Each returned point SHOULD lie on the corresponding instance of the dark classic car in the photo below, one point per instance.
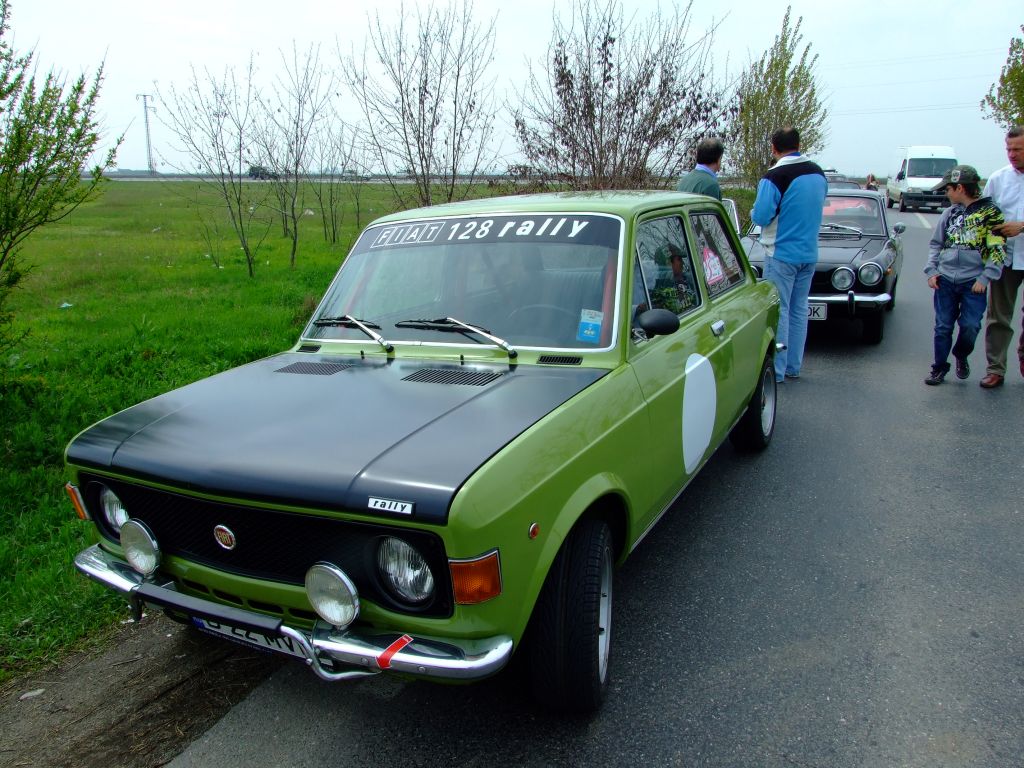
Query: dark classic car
(859, 260)
(839, 181)
(492, 406)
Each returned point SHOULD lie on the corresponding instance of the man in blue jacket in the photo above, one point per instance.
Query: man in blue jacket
(790, 198)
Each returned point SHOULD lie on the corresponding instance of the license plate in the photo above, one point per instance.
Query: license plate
(275, 643)
(817, 311)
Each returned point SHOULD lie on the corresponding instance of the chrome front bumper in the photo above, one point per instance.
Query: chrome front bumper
(331, 653)
(853, 301)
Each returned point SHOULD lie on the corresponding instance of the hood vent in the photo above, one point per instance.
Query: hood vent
(445, 376)
(314, 369)
(309, 348)
(559, 360)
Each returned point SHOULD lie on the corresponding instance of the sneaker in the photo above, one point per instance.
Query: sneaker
(793, 376)
(935, 377)
(963, 368)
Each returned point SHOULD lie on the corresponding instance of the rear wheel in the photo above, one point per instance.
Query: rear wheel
(903, 205)
(888, 200)
(754, 430)
(570, 634)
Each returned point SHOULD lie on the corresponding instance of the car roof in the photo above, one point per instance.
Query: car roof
(837, 192)
(625, 203)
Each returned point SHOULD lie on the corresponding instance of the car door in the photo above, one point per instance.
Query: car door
(731, 316)
(676, 373)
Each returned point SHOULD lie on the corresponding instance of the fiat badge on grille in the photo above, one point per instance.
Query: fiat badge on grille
(225, 537)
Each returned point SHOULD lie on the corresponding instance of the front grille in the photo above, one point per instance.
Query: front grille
(271, 545)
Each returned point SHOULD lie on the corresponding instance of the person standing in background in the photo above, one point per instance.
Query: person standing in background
(1006, 188)
(703, 180)
(788, 207)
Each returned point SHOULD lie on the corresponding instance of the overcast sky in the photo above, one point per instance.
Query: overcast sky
(893, 74)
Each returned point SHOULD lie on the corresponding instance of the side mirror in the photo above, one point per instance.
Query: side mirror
(899, 227)
(658, 322)
(900, 176)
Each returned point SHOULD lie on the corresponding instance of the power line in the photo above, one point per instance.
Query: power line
(946, 56)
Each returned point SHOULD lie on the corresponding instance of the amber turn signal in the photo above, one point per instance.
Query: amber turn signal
(477, 580)
(76, 500)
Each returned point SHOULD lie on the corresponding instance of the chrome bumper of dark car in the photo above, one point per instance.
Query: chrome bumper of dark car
(853, 301)
(331, 653)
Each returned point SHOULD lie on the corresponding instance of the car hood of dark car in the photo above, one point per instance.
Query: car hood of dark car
(833, 251)
(327, 432)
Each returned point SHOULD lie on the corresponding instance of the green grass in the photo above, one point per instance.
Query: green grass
(149, 311)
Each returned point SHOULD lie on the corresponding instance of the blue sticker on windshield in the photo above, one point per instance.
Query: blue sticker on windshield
(590, 326)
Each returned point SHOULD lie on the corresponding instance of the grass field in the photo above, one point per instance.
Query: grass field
(124, 302)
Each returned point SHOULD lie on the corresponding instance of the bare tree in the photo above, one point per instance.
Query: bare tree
(214, 122)
(778, 89)
(423, 90)
(296, 103)
(619, 103)
(341, 157)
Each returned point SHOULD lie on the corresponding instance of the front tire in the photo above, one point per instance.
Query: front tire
(570, 636)
(888, 200)
(903, 205)
(754, 430)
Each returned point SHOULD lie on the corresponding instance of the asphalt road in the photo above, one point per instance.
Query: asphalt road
(851, 597)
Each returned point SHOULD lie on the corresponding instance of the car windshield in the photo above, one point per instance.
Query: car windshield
(861, 213)
(929, 167)
(533, 280)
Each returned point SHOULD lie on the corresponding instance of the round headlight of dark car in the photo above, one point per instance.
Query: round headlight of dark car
(113, 510)
(870, 273)
(140, 547)
(843, 279)
(332, 594)
(404, 571)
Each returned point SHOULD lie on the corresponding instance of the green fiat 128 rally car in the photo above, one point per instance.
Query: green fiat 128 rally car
(493, 404)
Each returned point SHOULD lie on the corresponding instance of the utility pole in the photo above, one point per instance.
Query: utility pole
(146, 108)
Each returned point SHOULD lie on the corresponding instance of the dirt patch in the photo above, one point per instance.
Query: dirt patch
(137, 702)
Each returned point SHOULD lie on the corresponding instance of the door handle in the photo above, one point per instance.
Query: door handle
(718, 327)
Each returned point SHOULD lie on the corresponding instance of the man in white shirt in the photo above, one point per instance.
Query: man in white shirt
(1006, 188)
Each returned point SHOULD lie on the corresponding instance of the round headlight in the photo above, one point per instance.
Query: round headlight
(404, 570)
(843, 279)
(140, 547)
(113, 510)
(870, 273)
(332, 594)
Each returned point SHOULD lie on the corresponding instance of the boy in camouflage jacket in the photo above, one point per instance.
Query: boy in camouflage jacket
(964, 256)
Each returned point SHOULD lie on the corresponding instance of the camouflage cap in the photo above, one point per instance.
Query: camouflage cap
(958, 174)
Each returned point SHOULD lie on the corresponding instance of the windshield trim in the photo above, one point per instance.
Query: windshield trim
(306, 335)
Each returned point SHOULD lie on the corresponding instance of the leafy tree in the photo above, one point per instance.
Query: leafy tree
(1005, 100)
(620, 103)
(47, 133)
(777, 90)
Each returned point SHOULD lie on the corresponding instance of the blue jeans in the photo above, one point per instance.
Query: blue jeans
(794, 284)
(956, 303)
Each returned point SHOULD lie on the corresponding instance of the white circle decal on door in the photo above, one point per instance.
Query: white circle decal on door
(699, 401)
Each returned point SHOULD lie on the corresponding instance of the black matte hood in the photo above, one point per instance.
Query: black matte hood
(322, 431)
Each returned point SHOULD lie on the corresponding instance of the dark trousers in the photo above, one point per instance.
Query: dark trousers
(956, 303)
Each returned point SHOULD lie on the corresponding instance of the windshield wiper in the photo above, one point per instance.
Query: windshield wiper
(347, 321)
(843, 227)
(455, 325)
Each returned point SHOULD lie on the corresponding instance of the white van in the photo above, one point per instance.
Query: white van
(920, 169)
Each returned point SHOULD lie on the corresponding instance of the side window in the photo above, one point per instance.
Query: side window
(665, 263)
(722, 268)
